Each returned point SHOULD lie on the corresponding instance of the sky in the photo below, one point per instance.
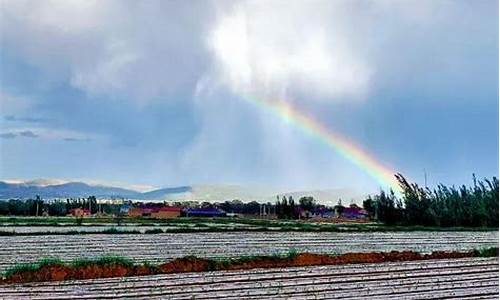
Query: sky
(159, 93)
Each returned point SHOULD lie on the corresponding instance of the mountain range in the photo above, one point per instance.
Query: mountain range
(47, 189)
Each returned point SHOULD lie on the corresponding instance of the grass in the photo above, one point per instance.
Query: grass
(32, 267)
(76, 263)
(486, 252)
(126, 262)
(213, 264)
(103, 260)
(21, 268)
(216, 263)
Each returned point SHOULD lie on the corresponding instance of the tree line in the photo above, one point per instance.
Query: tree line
(39, 207)
(287, 208)
(470, 206)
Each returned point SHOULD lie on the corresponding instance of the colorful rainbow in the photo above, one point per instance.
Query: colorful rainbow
(291, 115)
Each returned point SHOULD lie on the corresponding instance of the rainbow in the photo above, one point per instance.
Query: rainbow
(355, 154)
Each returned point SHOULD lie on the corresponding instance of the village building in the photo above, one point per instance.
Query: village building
(354, 212)
(204, 212)
(134, 212)
(124, 209)
(166, 212)
(321, 212)
(79, 212)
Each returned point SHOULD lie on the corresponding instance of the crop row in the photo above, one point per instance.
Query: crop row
(474, 278)
(409, 237)
(99, 228)
(162, 247)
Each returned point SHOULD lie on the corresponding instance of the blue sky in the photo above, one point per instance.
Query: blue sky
(152, 92)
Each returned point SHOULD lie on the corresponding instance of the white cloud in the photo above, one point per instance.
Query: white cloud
(298, 46)
(283, 50)
(150, 49)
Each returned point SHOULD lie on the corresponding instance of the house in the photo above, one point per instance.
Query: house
(316, 213)
(79, 212)
(321, 212)
(124, 209)
(354, 212)
(204, 212)
(134, 212)
(166, 212)
(146, 212)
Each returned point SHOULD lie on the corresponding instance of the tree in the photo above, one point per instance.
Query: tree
(291, 208)
(442, 206)
(57, 209)
(17, 208)
(369, 206)
(4, 208)
(307, 203)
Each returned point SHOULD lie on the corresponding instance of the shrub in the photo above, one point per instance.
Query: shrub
(486, 252)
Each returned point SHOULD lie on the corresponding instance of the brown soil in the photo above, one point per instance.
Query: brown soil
(185, 264)
(193, 264)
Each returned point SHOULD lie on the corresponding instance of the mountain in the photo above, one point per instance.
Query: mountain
(164, 194)
(220, 193)
(70, 189)
(200, 193)
(212, 193)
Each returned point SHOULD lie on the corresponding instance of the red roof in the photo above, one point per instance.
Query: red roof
(170, 208)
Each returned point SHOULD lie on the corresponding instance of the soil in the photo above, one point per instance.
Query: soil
(194, 264)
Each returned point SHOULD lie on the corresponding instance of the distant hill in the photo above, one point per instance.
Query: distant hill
(70, 189)
(200, 193)
(166, 193)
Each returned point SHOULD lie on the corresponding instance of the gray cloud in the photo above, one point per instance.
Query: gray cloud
(28, 133)
(14, 118)
(7, 135)
(24, 133)
(73, 139)
(156, 45)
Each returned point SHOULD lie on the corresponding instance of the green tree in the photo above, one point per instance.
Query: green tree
(369, 206)
(307, 203)
(442, 206)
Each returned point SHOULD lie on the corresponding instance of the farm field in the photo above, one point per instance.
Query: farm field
(134, 228)
(163, 247)
(61, 225)
(468, 278)
(38, 225)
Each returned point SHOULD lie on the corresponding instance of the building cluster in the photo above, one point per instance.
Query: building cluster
(351, 212)
(337, 213)
(166, 212)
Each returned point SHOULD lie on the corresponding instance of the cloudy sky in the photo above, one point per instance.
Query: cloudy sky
(156, 92)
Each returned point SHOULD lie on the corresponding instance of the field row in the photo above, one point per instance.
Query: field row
(163, 247)
(264, 237)
(476, 235)
(471, 278)
(67, 228)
